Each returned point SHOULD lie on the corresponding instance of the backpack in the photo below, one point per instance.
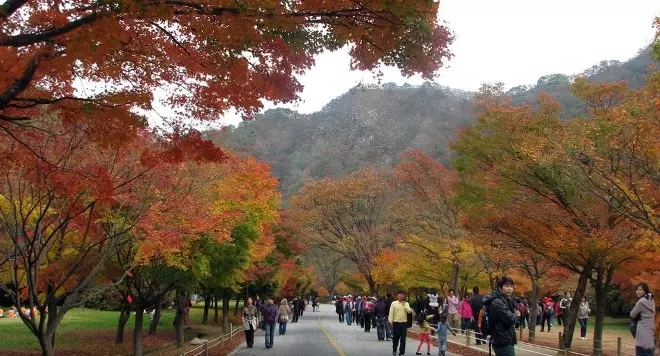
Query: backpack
(548, 309)
(484, 323)
(347, 306)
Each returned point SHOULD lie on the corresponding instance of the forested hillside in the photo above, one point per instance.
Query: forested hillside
(373, 125)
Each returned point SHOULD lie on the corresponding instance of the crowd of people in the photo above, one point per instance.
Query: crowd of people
(13, 313)
(267, 314)
(492, 318)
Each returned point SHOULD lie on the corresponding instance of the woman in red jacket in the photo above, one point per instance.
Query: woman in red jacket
(465, 310)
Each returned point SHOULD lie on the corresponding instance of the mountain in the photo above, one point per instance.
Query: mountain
(373, 125)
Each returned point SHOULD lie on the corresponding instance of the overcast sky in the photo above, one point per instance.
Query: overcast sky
(512, 41)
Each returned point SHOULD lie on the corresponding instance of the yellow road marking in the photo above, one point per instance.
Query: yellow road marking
(334, 343)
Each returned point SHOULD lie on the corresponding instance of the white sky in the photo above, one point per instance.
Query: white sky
(513, 41)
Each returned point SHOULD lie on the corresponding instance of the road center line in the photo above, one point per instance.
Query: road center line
(334, 343)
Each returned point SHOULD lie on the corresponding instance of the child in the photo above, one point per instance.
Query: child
(442, 334)
(424, 332)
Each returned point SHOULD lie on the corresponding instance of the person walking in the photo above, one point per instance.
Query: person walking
(296, 310)
(564, 308)
(442, 334)
(339, 309)
(524, 313)
(502, 316)
(548, 311)
(285, 312)
(271, 314)
(450, 305)
(388, 326)
(476, 302)
(368, 314)
(465, 311)
(380, 314)
(249, 319)
(348, 310)
(644, 312)
(398, 317)
(424, 332)
(583, 317)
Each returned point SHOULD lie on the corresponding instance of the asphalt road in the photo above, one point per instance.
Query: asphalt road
(321, 334)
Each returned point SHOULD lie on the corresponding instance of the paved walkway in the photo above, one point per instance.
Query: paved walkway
(321, 334)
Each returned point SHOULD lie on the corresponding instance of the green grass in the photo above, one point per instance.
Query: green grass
(618, 324)
(79, 322)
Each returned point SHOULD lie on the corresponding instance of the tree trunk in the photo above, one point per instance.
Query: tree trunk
(455, 270)
(156, 320)
(373, 286)
(534, 308)
(207, 304)
(124, 315)
(178, 319)
(225, 309)
(238, 299)
(567, 337)
(599, 290)
(53, 310)
(137, 331)
(46, 342)
(215, 316)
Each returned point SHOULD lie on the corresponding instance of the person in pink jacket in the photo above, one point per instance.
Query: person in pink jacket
(467, 317)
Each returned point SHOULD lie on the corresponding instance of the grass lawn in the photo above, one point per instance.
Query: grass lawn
(80, 327)
(618, 324)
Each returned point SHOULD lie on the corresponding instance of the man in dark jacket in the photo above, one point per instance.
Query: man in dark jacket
(380, 313)
(502, 316)
(296, 310)
(388, 304)
(339, 309)
(476, 302)
(270, 314)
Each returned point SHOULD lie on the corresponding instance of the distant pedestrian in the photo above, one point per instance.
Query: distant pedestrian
(368, 314)
(388, 325)
(380, 314)
(270, 314)
(285, 313)
(476, 302)
(502, 317)
(424, 332)
(583, 317)
(442, 334)
(467, 317)
(450, 306)
(398, 317)
(249, 319)
(339, 309)
(644, 312)
(564, 307)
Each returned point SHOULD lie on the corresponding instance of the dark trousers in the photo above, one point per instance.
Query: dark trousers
(296, 315)
(341, 317)
(399, 335)
(583, 327)
(249, 336)
(367, 323)
(640, 351)
(523, 321)
(361, 319)
(560, 318)
(546, 319)
(504, 350)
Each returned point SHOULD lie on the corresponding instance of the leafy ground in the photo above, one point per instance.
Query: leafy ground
(92, 332)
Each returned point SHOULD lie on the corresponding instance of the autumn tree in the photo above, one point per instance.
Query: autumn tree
(515, 164)
(348, 217)
(68, 203)
(207, 56)
(428, 215)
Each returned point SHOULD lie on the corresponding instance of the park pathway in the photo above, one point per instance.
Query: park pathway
(321, 334)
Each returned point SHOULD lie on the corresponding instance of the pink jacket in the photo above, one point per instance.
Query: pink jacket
(465, 310)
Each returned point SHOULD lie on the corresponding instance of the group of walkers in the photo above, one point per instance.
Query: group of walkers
(266, 314)
(493, 318)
